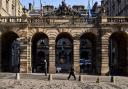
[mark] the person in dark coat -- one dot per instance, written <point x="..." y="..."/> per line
<point x="72" y="73"/>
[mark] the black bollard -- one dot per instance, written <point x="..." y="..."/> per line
<point x="112" y="79"/>
<point x="97" y="80"/>
<point x="17" y="76"/>
<point x="80" y="78"/>
<point x="50" y="77"/>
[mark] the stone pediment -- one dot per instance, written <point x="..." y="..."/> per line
<point x="63" y="10"/>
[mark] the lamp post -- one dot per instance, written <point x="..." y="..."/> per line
<point x="45" y="61"/>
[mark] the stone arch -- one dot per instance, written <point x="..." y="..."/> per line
<point x="33" y="32"/>
<point x="10" y="52"/>
<point x="88" y="32"/>
<point x="40" y="52"/>
<point x="118" y="44"/>
<point x="64" y="51"/>
<point x="88" y="53"/>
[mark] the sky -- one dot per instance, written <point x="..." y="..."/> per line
<point x="57" y="2"/>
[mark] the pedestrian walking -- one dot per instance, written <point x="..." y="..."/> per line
<point x="72" y="73"/>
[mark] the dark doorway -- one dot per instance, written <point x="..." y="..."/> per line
<point x="118" y="44"/>
<point x="64" y="52"/>
<point x="10" y="53"/>
<point x="88" y="53"/>
<point x="40" y="52"/>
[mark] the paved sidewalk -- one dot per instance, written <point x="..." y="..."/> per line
<point x="40" y="81"/>
<point x="58" y="84"/>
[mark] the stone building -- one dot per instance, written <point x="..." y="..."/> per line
<point x="10" y="8"/>
<point x="116" y="7"/>
<point x="64" y="37"/>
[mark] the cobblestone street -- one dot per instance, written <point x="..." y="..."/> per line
<point x="59" y="84"/>
<point x="34" y="81"/>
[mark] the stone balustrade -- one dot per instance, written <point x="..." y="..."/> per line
<point x="118" y="19"/>
<point x="115" y="20"/>
<point x="46" y="20"/>
<point x="11" y="19"/>
<point x="60" y="20"/>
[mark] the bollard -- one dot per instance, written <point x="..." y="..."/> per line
<point x="112" y="79"/>
<point x="80" y="78"/>
<point x="17" y="76"/>
<point x="97" y="80"/>
<point x="50" y="77"/>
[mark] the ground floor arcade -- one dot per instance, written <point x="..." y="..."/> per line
<point x="89" y="52"/>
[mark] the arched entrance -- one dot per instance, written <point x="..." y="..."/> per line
<point x="118" y="44"/>
<point x="88" y="53"/>
<point x="10" y="52"/>
<point x="40" y="53"/>
<point x="64" y="52"/>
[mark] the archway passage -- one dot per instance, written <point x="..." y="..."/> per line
<point x="10" y="53"/>
<point x="64" y="52"/>
<point x="40" y="53"/>
<point x="88" y="53"/>
<point x="118" y="44"/>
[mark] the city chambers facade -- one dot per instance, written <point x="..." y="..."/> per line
<point x="64" y="37"/>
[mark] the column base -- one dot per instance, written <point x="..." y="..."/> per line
<point x="23" y="67"/>
<point x="105" y="70"/>
<point x="52" y="68"/>
<point x="77" y="67"/>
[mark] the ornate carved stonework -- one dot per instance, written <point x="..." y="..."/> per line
<point x="63" y="10"/>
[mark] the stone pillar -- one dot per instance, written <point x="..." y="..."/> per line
<point x="52" y="68"/>
<point x="76" y="55"/>
<point x="29" y="56"/>
<point x="104" y="55"/>
<point x="23" y="56"/>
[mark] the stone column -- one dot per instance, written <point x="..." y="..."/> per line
<point x="29" y="56"/>
<point x="23" y="56"/>
<point x="104" y="55"/>
<point x="76" y="55"/>
<point x="52" y="68"/>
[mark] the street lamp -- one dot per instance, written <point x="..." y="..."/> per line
<point x="45" y="61"/>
